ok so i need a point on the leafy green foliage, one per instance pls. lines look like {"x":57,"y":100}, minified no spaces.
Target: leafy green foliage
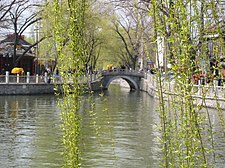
{"x":183,"y":25}
{"x":68,"y":34}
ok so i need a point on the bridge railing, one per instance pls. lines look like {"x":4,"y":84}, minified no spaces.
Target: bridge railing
{"x":122,"y":71}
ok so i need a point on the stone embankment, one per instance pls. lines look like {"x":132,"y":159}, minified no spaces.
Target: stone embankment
{"x":16,"y":85}
{"x":26,"y":88}
{"x":26,"y":85}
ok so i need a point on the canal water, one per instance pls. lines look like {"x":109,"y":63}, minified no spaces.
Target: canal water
{"x":30,"y":136}
{"x":118,"y":130}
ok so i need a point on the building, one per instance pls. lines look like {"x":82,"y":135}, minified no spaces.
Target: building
{"x":7,"y":59}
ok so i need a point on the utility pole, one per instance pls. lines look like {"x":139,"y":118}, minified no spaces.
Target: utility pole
{"x":37,"y":66}
{"x":141,"y":25}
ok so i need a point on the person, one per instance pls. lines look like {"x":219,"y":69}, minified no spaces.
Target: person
{"x":222,"y":75}
{"x":56,"y":75}
{"x":48,"y":74}
{"x":57,"y":72}
{"x":21,"y":71}
{"x":3,"y":71}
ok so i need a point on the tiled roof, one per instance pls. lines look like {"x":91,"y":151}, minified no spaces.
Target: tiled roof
{"x":11,"y":39}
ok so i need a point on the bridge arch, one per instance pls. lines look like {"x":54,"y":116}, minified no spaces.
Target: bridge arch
{"x":132,"y":83}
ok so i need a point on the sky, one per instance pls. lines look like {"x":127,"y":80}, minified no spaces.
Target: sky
{"x":29,"y":31}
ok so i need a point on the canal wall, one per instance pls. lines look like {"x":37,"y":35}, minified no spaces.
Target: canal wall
{"x":96,"y":85}
{"x":27,"y":85}
{"x":40,"y":88}
{"x":214,"y":95}
{"x":28,"y":88}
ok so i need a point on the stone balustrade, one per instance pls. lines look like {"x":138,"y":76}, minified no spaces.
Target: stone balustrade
{"x":13,"y":79}
{"x":214,"y":95}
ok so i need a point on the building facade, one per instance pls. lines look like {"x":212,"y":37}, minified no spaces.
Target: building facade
{"x":22,"y":59}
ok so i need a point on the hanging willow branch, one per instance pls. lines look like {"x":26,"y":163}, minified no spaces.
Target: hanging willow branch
{"x":182,"y":25}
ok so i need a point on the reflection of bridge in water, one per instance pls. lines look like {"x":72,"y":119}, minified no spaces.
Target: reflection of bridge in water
{"x":133,"y":78}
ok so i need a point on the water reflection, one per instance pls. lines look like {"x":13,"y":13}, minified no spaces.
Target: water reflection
{"x":30,"y":133}
{"x":120,"y":131}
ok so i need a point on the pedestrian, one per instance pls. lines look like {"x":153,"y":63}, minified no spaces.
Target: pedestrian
{"x":3,"y":71}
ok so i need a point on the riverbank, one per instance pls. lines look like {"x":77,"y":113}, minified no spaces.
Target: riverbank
{"x":36,"y":84}
{"x":214,"y":96}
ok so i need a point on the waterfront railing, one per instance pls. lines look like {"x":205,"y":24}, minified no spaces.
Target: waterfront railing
{"x":210,"y":91}
{"x":42,"y":79}
{"x":7,"y":78}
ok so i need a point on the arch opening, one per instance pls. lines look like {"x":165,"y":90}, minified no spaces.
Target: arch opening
{"x":133,"y":85}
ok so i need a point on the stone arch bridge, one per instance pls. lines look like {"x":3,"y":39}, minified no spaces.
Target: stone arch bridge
{"x":133,"y":78}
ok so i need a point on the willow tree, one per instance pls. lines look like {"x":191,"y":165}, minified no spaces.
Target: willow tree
{"x":187,"y":136}
{"x":67,"y":19}
{"x":132,"y":27}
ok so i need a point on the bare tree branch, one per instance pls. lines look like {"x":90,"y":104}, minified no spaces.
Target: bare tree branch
{"x":29,"y":48}
{"x":5,"y":9}
{"x":17,"y":15}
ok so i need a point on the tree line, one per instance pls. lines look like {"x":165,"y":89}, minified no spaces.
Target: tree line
{"x":116,"y":32}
